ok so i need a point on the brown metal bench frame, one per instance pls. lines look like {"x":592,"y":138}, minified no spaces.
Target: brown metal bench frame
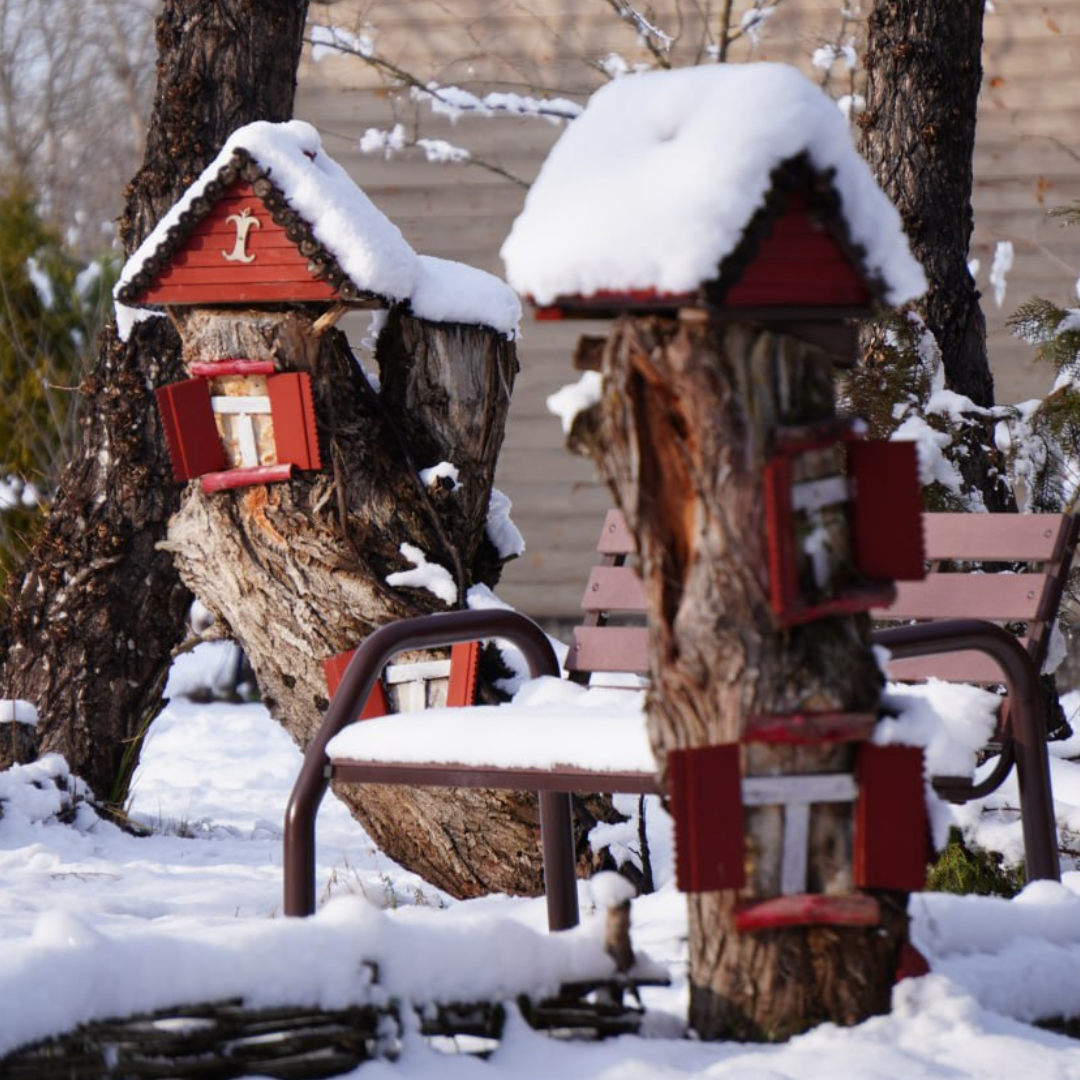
{"x":553,"y":786}
{"x":1024,"y":744}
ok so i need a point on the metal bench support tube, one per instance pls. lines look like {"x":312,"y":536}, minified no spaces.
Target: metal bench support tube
{"x":424,"y":632}
{"x":1026,"y":718}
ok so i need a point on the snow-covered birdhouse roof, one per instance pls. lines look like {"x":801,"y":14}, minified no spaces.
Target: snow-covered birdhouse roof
{"x":734,"y":187}
{"x":273,"y":218}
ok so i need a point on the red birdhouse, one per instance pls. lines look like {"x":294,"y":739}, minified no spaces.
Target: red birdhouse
{"x":241,"y":244}
{"x":273,"y":219}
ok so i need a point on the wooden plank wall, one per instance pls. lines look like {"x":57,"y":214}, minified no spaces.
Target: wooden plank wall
{"x":1028,"y":160}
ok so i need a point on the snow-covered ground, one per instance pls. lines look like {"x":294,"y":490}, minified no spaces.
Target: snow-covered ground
{"x":96,"y":922}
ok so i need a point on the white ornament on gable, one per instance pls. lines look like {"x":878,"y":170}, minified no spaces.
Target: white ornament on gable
{"x":245,"y":221}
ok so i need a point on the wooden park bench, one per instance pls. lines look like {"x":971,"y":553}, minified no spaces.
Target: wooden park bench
{"x":956,"y":637}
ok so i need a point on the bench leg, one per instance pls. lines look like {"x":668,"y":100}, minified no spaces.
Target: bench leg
{"x":298,"y":850}
{"x":557,"y":844}
{"x":1033,"y":781}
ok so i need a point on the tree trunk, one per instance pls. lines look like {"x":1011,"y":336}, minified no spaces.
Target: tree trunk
{"x":689,"y":414}
{"x":924,"y":68}
{"x":96,"y":609}
{"x":297,"y":571}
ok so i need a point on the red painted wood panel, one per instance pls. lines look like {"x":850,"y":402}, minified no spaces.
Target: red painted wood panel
{"x":802,"y":246}
{"x":464,"y":662}
{"x":891,"y":844}
{"x":226,"y":275}
{"x":809,"y":293}
{"x":238,"y":293}
{"x":209,"y":369}
{"x":296,"y":437}
{"x":886,"y":514}
{"x":191,"y":433}
{"x":238,"y":478}
{"x":200,"y":273}
{"x":210,"y":258}
{"x":705,"y":787}
{"x":799,"y":262}
{"x":808,"y":910}
{"x":784,"y":593}
{"x":334,"y":669}
{"x":809,"y":728}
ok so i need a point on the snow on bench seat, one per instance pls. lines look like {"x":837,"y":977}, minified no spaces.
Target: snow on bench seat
{"x":550,"y":724}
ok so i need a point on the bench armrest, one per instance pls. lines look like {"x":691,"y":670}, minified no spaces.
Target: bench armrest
{"x":1027,"y":724}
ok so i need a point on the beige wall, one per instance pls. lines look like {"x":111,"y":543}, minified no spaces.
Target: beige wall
{"x":1027,"y":161}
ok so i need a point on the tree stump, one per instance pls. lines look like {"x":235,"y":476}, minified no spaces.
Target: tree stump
{"x":690,"y":412}
{"x":297,"y":571}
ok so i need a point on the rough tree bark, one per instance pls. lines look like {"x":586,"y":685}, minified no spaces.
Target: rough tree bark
{"x":689,"y":413}
{"x":96,"y":609}
{"x":923,"y":72}
{"x":297,"y":571}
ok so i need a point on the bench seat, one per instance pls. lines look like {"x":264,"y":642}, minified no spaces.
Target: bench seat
{"x":599,"y":731}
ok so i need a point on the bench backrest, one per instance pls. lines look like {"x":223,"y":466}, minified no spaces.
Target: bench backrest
{"x":614,"y":589}
{"x":1005,"y":568}
{"x":1034,"y":551}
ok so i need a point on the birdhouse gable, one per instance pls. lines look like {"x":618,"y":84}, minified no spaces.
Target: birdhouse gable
{"x":796,"y":254}
{"x":273,"y":219}
{"x":242,"y":252}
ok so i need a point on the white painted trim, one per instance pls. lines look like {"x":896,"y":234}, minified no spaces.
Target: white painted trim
{"x":256,"y":404}
{"x":815,"y":494}
{"x":422,"y":669}
{"x":412,"y":696}
{"x":810,"y":788}
{"x":796,"y":849}
{"x":244,"y":427}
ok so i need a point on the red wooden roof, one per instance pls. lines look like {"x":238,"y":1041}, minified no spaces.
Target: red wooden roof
{"x":241,"y":243}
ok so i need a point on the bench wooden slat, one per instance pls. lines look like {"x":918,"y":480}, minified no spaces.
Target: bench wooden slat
{"x":616,"y":537}
{"x":614,"y":589}
{"x":972,"y":596}
{"x":609,"y":648}
{"x":961,"y":667}
{"x":992,"y":537}
{"x":989,"y":537}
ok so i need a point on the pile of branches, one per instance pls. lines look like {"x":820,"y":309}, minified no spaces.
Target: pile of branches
{"x":224,"y":1040}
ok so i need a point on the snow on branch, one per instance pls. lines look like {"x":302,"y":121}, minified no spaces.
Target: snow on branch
{"x":999,"y":269}
{"x":652,"y":36}
{"x":337,"y":41}
{"x":754,"y":19}
{"x":454,"y":102}
{"x":389,"y":143}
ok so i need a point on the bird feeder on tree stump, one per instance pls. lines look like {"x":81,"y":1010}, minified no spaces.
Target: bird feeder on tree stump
{"x":248,"y":236}
{"x":722,"y":216}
